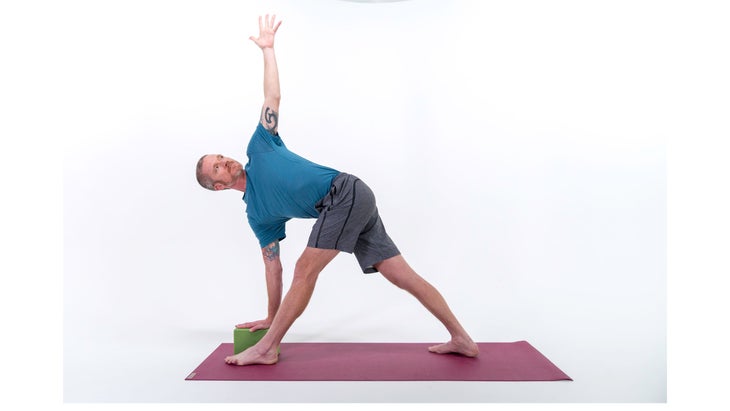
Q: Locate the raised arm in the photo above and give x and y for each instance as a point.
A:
(272, 94)
(274, 287)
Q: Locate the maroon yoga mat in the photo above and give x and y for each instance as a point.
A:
(516, 361)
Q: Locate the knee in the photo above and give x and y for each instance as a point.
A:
(397, 271)
(398, 282)
(405, 279)
(305, 272)
(408, 281)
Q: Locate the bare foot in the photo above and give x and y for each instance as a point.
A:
(252, 356)
(457, 345)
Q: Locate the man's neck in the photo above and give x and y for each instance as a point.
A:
(240, 184)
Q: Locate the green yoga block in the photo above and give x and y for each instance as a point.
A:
(244, 338)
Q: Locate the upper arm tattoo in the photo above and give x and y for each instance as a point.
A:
(271, 251)
(270, 119)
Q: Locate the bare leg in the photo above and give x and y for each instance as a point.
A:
(397, 271)
(308, 267)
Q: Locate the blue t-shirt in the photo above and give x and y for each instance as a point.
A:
(280, 185)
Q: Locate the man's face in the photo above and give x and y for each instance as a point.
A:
(225, 171)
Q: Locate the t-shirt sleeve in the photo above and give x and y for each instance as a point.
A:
(262, 141)
(270, 232)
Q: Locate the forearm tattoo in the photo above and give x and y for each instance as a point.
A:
(270, 119)
(271, 251)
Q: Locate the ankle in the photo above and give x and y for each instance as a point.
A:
(266, 348)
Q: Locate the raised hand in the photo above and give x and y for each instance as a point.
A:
(267, 31)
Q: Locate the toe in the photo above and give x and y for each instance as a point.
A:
(438, 349)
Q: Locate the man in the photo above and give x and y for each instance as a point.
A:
(279, 185)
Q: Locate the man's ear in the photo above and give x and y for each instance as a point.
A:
(219, 186)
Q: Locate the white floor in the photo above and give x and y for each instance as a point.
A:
(608, 335)
(152, 368)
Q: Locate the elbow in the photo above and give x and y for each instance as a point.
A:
(273, 97)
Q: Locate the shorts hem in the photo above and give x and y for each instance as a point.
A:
(370, 268)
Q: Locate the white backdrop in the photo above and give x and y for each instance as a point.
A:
(517, 151)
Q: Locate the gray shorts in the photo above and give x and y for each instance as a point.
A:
(349, 221)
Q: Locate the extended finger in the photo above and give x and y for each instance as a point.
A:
(277, 26)
(261, 26)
